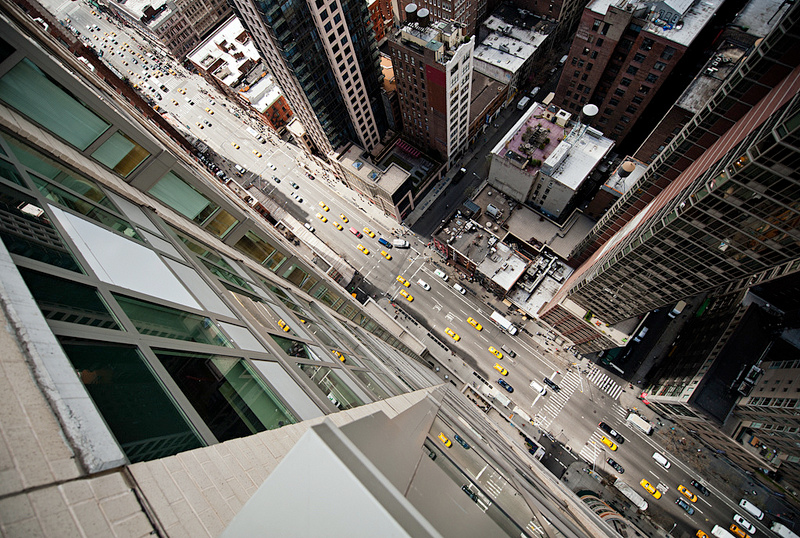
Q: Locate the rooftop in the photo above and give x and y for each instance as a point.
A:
(694, 15)
(389, 83)
(619, 183)
(516, 144)
(503, 265)
(576, 157)
(706, 83)
(508, 46)
(484, 91)
(226, 52)
(540, 283)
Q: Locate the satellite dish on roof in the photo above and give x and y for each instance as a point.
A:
(590, 110)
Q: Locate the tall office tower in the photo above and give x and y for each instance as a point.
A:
(728, 217)
(167, 356)
(743, 86)
(326, 60)
(621, 55)
(433, 70)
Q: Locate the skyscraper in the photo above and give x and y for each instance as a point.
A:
(717, 210)
(326, 59)
(433, 70)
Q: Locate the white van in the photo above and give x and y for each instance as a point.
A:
(752, 509)
(440, 274)
(538, 388)
(459, 289)
(424, 285)
(641, 334)
(661, 460)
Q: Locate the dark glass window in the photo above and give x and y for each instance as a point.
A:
(647, 43)
(71, 302)
(140, 414)
(639, 57)
(229, 397)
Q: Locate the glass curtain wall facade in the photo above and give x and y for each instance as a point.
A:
(169, 341)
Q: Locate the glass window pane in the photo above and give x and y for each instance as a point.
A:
(61, 196)
(157, 320)
(26, 231)
(293, 348)
(121, 154)
(331, 385)
(226, 393)
(255, 247)
(9, 171)
(51, 169)
(372, 385)
(221, 223)
(29, 90)
(183, 198)
(63, 300)
(139, 412)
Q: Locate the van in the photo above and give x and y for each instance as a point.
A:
(508, 350)
(424, 285)
(538, 388)
(355, 232)
(752, 509)
(661, 460)
(384, 242)
(523, 103)
(240, 169)
(459, 289)
(440, 274)
(400, 243)
(534, 92)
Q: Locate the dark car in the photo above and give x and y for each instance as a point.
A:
(276, 179)
(685, 505)
(551, 384)
(505, 385)
(619, 468)
(460, 441)
(469, 493)
(611, 432)
(701, 488)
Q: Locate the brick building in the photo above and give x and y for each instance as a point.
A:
(621, 56)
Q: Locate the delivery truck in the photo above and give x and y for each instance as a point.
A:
(506, 325)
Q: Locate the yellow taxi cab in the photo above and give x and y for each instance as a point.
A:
(282, 324)
(386, 255)
(608, 442)
(235, 145)
(405, 294)
(735, 529)
(362, 248)
(650, 489)
(701, 534)
(322, 217)
(449, 332)
(337, 226)
(324, 206)
(475, 324)
(688, 494)
(369, 232)
(500, 369)
(403, 281)
(257, 154)
(209, 111)
(344, 219)
(338, 355)
(493, 351)
(447, 442)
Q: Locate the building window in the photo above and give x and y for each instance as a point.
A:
(599, 43)
(659, 66)
(585, 51)
(30, 91)
(651, 78)
(647, 44)
(189, 202)
(638, 99)
(644, 89)
(613, 102)
(593, 55)
(668, 53)
(121, 154)
(625, 81)
(639, 57)
(619, 91)
(596, 25)
(632, 70)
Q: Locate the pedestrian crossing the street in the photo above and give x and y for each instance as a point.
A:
(604, 383)
(556, 400)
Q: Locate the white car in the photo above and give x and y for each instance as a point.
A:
(743, 523)
(424, 285)
(308, 227)
(272, 166)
